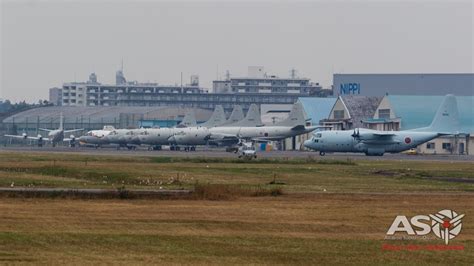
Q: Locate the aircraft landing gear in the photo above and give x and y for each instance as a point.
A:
(322, 153)
(154, 148)
(189, 148)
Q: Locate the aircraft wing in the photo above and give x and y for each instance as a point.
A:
(73, 130)
(15, 136)
(310, 128)
(378, 137)
(221, 139)
(383, 134)
(38, 138)
(45, 129)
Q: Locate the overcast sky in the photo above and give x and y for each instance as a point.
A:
(46, 43)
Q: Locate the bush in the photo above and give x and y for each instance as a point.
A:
(228, 192)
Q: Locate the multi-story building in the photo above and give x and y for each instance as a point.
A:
(56, 96)
(125, 93)
(122, 93)
(258, 81)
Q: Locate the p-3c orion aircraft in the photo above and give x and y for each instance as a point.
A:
(374, 142)
(54, 135)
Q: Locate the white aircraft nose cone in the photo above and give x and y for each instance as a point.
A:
(307, 143)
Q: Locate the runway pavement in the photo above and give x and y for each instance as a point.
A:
(221, 153)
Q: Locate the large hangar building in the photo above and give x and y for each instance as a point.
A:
(459, 84)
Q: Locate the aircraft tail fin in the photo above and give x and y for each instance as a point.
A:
(217, 118)
(61, 121)
(295, 118)
(236, 115)
(189, 119)
(446, 120)
(252, 119)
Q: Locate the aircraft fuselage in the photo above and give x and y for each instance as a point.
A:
(344, 141)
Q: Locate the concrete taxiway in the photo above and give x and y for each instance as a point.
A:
(221, 153)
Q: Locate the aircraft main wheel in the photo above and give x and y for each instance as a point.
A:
(322, 153)
(193, 148)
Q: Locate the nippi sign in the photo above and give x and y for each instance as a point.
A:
(350, 88)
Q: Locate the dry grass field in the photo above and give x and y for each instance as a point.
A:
(332, 212)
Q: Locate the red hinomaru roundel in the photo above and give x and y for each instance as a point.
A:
(407, 140)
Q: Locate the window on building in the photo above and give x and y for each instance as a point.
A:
(338, 114)
(430, 145)
(384, 113)
(446, 146)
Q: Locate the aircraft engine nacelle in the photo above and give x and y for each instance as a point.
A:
(40, 141)
(24, 135)
(364, 136)
(215, 136)
(72, 141)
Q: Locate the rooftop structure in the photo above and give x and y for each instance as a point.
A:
(349, 111)
(258, 81)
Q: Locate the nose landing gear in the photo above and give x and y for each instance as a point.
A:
(322, 153)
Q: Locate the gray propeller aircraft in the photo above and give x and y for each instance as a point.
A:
(54, 135)
(232, 135)
(96, 138)
(373, 142)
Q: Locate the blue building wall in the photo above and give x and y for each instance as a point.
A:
(461, 84)
(419, 111)
(317, 108)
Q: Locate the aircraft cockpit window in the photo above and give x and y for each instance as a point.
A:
(318, 135)
(316, 140)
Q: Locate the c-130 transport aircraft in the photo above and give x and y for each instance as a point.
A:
(374, 142)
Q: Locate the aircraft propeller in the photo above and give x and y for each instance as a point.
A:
(356, 135)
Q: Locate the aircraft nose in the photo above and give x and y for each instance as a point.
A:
(307, 143)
